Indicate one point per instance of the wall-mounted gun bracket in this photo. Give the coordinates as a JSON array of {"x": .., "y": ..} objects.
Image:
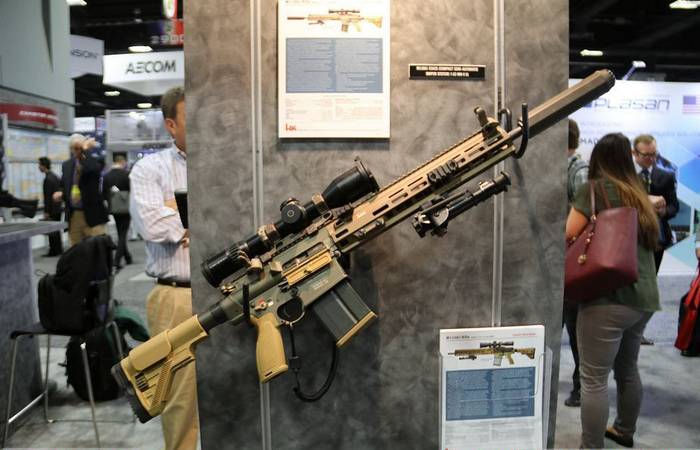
[{"x": 525, "y": 127}]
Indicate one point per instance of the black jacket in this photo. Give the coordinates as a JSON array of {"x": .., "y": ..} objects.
[
  {"x": 89, "y": 184},
  {"x": 51, "y": 184},
  {"x": 116, "y": 177},
  {"x": 663, "y": 183}
]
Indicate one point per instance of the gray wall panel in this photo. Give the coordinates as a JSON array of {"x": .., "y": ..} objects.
[
  {"x": 386, "y": 391},
  {"x": 221, "y": 207},
  {"x": 536, "y": 68}
]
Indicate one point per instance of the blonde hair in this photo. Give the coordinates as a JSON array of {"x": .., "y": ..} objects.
[{"x": 75, "y": 139}]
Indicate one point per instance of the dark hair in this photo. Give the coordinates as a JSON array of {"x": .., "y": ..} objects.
[
  {"x": 46, "y": 162},
  {"x": 574, "y": 134},
  {"x": 119, "y": 157},
  {"x": 169, "y": 101},
  {"x": 611, "y": 159}
]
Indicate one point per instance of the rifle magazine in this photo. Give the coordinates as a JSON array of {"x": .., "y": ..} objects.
[{"x": 342, "y": 312}]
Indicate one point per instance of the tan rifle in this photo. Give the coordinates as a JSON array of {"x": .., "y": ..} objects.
[
  {"x": 290, "y": 267},
  {"x": 345, "y": 16},
  {"x": 498, "y": 349}
]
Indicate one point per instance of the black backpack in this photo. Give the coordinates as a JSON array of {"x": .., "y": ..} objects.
[
  {"x": 102, "y": 353},
  {"x": 76, "y": 298}
]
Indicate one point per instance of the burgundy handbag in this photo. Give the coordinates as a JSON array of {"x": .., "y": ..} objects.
[{"x": 603, "y": 257}]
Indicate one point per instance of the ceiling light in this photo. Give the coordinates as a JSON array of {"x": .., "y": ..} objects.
[
  {"x": 586, "y": 52},
  {"x": 140, "y": 49},
  {"x": 76, "y": 2},
  {"x": 112, "y": 93},
  {"x": 639, "y": 64},
  {"x": 684, "y": 4},
  {"x": 144, "y": 105}
]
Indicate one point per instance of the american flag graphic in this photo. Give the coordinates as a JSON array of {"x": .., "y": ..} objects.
[{"x": 691, "y": 104}]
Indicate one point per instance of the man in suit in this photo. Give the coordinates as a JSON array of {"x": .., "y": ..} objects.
[
  {"x": 117, "y": 180},
  {"x": 52, "y": 209},
  {"x": 86, "y": 213},
  {"x": 661, "y": 187}
]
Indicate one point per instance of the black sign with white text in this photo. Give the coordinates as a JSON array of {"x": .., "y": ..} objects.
[{"x": 458, "y": 72}]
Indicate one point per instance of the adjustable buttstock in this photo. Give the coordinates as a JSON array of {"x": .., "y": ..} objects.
[
  {"x": 147, "y": 373},
  {"x": 376, "y": 21},
  {"x": 269, "y": 350}
]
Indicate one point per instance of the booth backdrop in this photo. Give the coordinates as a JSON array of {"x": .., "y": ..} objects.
[{"x": 385, "y": 394}]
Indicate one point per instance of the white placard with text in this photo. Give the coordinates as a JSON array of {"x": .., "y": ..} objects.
[
  {"x": 491, "y": 387},
  {"x": 333, "y": 75}
]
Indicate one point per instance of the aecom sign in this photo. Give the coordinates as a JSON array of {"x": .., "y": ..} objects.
[{"x": 151, "y": 67}]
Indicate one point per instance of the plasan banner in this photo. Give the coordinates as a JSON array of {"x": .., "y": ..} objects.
[{"x": 671, "y": 113}]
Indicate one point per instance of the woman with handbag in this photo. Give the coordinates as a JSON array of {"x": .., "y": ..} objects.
[{"x": 610, "y": 327}]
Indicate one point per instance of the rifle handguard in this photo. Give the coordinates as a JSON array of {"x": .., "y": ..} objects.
[
  {"x": 269, "y": 349},
  {"x": 147, "y": 373}
]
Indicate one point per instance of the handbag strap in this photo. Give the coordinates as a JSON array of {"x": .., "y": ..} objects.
[
  {"x": 592, "y": 188},
  {"x": 590, "y": 232}
]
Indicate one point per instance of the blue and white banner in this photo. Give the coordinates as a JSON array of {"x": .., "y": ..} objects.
[{"x": 671, "y": 113}]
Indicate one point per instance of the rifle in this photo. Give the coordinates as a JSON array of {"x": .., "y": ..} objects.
[
  {"x": 498, "y": 349},
  {"x": 286, "y": 268},
  {"x": 345, "y": 16}
]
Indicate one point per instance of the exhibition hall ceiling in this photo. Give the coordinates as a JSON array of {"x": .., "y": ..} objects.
[
  {"x": 120, "y": 24},
  {"x": 624, "y": 30},
  {"x": 665, "y": 39}
]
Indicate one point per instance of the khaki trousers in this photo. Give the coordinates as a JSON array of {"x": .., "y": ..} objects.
[
  {"x": 78, "y": 229},
  {"x": 167, "y": 307}
]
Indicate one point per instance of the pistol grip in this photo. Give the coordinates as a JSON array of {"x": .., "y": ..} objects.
[{"x": 269, "y": 350}]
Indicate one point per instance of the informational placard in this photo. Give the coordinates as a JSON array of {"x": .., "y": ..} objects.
[
  {"x": 446, "y": 72},
  {"x": 671, "y": 113},
  {"x": 491, "y": 387},
  {"x": 334, "y": 69}
]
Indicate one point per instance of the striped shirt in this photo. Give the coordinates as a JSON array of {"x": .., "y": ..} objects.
[{"x": 154, "y": 180}]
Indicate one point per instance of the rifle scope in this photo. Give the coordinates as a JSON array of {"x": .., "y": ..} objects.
[{"x": 343, "y": 190}]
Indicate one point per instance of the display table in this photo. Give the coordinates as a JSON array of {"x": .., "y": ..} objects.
[{"x": 18, "y": 308}]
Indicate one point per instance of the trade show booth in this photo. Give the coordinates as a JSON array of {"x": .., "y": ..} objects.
[{"x": 400, "y": 67}]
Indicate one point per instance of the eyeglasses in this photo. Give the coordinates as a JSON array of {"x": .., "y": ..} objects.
[{"x": 646, "y": 155}]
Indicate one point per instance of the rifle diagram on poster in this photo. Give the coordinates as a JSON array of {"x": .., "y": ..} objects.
[
  {"x": 333, "y": 77},
  {"x": 491, "y": 387}
]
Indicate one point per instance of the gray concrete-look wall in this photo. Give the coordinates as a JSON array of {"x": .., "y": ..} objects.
[
  {"x": 385, "y": 394},
  {"x": 29, "y": 61}
]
